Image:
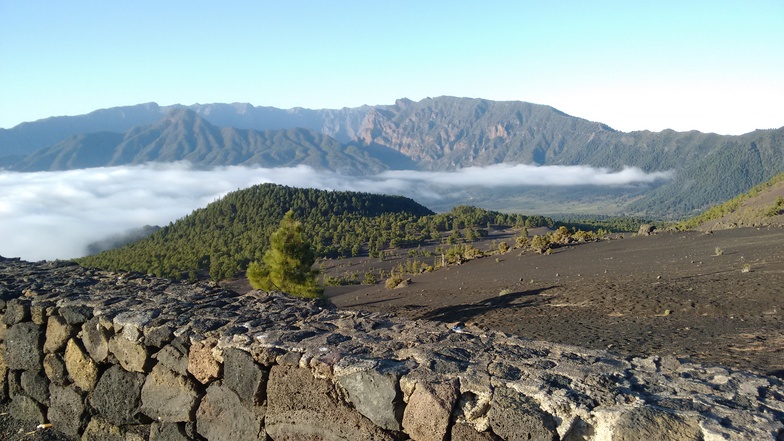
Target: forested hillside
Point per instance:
(224, 237)
(759, 206)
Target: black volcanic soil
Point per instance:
(664, 294)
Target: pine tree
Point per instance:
(287, 264)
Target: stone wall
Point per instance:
(104, 356)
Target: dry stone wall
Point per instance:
(107, 356)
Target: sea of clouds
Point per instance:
(56, 215)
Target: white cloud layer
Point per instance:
(55, 215)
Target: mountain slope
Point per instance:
(28, 137)
(446, 133)
(233, 231)
(762, 205)
(183, 135)
(443, 133)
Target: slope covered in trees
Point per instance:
(757, 206)
(228, 234)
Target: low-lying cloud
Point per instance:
(56, 215)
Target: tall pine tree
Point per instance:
(287, 264)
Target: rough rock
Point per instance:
(464, 432)
(158, 336)
(429, 409)
(303, 407)
(168, 397)
(96, 339)
(244, 376)
(67, 410)
(58, 332)
(23, 348)
(54, 368)
(321, 372)
(118, 395)
(132, 355)
(168, 432)
(222, 416)
(16, 311)
(201, 362)
(76, 314)
(25, 408)
(36, 386)
(648, 423)
(173, 358)
(81, 368)
(376, 395)
(131, 323)
(516, 417)
(3, 379)
(100, 430)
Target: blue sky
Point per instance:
(715, 66)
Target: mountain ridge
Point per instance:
(433, 134)
(183, 135)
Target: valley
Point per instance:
(440, 135)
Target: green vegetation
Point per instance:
(540, 244)
(728, 207)
(777, 208)
(706, 168)
(394, 281)
(287, 264)
(223, 238)
(370, 278)
(603, 224)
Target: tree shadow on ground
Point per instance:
(463, 312)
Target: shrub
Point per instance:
(345, 280)
(561, 235)
(776, 208)
(718, 251)
(503, 247)
(393, 282)
(584, 236)
(469, 252)
(521, 241)
(540, 244)
(370, 278)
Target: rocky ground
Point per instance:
(714, 298)
(490, 380)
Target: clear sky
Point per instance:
(714, 66)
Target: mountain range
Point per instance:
(435, 134)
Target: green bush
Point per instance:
(393, 282)
(540, 244)
(521, 241)
(370, 278)
(777, 207)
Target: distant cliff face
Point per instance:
(124, 356)
(443, 133)
(447, 133)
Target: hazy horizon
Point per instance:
(62, 212)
